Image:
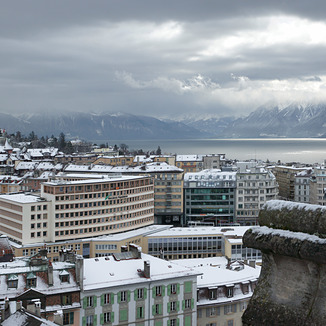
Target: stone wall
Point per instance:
(292, 286)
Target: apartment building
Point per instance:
(189, 163)
(68, 210)
(285, 176)
(255, 186)
(317, 186)
(43, 287)
(132, 288)
(223, 289)
(168, 186)
(209, 197)
(302, 182)
(116, 160)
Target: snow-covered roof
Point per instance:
(22, 198)
(45, 166)
(230, 231)
(26, 165)
(215, 272)
(107, 272)
(21, 266)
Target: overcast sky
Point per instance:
(160, 58)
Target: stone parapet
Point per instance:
(292, 286)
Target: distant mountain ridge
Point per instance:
(293, 120)
(91, 126)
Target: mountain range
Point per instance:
(294, 120)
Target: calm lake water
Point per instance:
(306, 150)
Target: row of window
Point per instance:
(31, 252)
(103, 228)
(39, 208)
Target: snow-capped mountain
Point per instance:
(293, 120)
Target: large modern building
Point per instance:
(68, 210)
(209, 197)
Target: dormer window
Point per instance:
(212, 294)
(229, 291)
(12, 281)
(30, 280)
(64, 277)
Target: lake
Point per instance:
(306, 150)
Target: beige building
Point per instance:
(68, 210)
(255, 186)
(285, 176)
(118, 160)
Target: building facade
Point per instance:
(68, 210)
(209, 197)
(255, 186)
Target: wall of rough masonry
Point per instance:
(292, 286)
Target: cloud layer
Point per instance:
(165, 60)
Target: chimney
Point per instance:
(252, 263)
(50, 273)
(136, 250)
(58, 317)
(79, 268)
(18, 305)
(147, 269)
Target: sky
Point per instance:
(167, 59)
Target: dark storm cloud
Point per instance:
(160, 58)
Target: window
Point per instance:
(212, 294)
(188, 287)
(66, 299)
(158, 309)
(229, 292)
(123, 296)
(158, 290)
(89, 301)
(12, 283)
(64, 276)
(140, 293)
(106, 298)
(107, 317)
(68, 318)
(90, 320)
(230, 322)
(31, 283)
(174, 288)
(25, 252)
(173, 322)
(140, 312)
(187, 303)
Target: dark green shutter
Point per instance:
(145, 293)
(188, 287)
(85, 302)
(168, 323)
(192, 303)
(102, 300)
(94, 301)
(71, 317)
(101, 319)
(154, 292)
(160, 308)
(95, 320)
(183, 305)
(138, 313)
(112, 317)
(128, 296)
(84, 321)
(178, 322)
(112, 298)
(168, 307)
(178, 305)
(187, 320)
(135, 295)
(163, 290)
(153, 310)
(169, 289)
(119, 297)
(178, 288)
